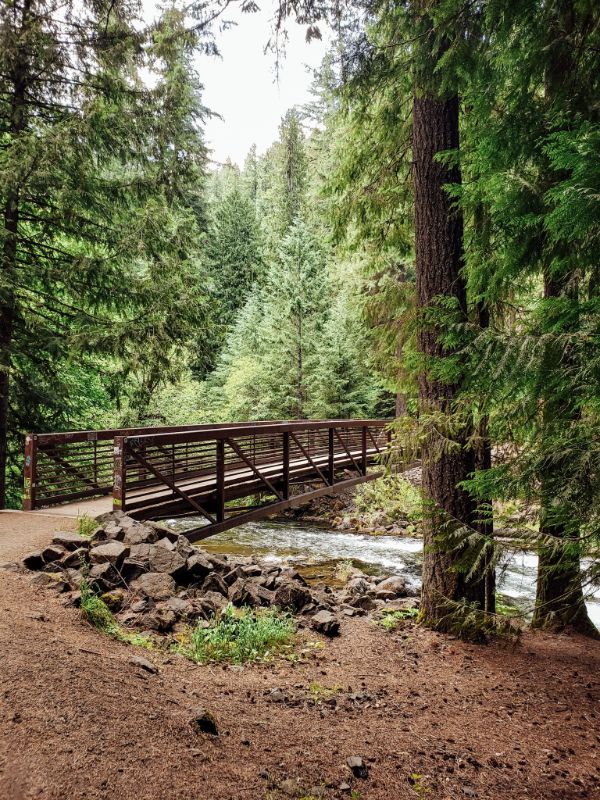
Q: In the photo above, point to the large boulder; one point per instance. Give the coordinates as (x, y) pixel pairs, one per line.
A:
(104, 576)
(132, 568)
(33, 560)
(155, 585)
(137, 534)
(52, 553)
(111, 552)
(244, 593)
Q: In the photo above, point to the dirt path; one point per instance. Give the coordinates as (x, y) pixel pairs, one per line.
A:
(79, 721)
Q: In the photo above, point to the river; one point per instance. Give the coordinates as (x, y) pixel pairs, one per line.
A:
(320, 549)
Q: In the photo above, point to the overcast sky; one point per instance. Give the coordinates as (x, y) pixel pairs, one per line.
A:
(241, 85)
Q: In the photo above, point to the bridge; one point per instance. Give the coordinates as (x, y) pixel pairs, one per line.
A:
(204, 471)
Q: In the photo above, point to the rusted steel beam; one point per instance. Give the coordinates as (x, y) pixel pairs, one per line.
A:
(364, 449)
(220, 480)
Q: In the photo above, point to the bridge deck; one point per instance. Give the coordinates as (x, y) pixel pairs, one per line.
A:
(204, 471)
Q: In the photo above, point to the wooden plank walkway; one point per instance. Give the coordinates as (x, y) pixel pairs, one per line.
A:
(205, 471)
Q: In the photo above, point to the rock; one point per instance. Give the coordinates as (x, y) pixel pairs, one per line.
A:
(250, 570)
(160, 619)
(75, 577)
(165, 542)
(105, 576)
(112, 552)
(74, 558)
(143, 663)
(140, 534)
(344, 787)
(291, 595)
(219, 563)
(198, 565)
(184, 547)
(52, 553)
(363, 601)
(214, 583)
(358, 767)
(358, 586)
(132, 568)
(179, 606)
(291, 574)
(141, 552)
(232, 576)
(114, 531)
(114, 599)
(244, 593)
(51, 580)
(212, 602)
(204, 721)
(163, 531)
(395, 584)
(33, 560)
(155, 585)
(326, 622)
(384, 594)
(163, 560)
(70, 540)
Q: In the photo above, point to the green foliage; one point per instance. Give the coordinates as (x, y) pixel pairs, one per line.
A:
(239, 636)
(391, 496)
(390, 620)
(98, 614)
(86, 525)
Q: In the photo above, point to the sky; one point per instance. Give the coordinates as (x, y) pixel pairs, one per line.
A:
(242, 86)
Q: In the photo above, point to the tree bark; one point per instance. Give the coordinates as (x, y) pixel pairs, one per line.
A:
(439, 260)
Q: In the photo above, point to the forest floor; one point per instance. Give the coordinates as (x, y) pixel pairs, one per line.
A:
(431, 716)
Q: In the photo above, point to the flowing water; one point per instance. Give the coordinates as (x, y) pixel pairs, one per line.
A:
(317, 550)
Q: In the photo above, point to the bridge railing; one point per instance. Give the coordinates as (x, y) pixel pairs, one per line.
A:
(206, 472)
(63, 467)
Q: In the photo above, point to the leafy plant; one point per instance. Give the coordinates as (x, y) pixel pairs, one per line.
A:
(239, 636)
(390, 620)
(319, 692)
(98, 614)
(343, 571)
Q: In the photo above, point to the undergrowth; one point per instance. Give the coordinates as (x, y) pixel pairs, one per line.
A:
(86, 525)
(239, 636)
(392, 497)
(391, 619)
(98, 614)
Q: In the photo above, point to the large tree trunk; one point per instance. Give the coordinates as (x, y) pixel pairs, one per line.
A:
(439, 251)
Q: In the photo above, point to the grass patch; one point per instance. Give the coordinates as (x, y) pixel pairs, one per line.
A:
(98, 614)
(86, 525)
(390, 620)
(239, 636)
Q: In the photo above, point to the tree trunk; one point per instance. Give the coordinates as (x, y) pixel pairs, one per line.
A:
(439, 257)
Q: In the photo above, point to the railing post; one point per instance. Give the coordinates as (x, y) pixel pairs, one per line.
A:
(331, 466)
(120, 473)
(30, 472)
(286, 465)
(364, 449)
(220, 480)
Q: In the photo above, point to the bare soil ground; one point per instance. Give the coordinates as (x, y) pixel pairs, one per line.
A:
(432, 717)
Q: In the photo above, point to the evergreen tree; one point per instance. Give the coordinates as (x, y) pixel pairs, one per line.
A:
(95, 174)
(294, 314)
(233, 251)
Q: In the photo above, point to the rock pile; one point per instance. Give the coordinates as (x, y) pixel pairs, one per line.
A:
(153, 579)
